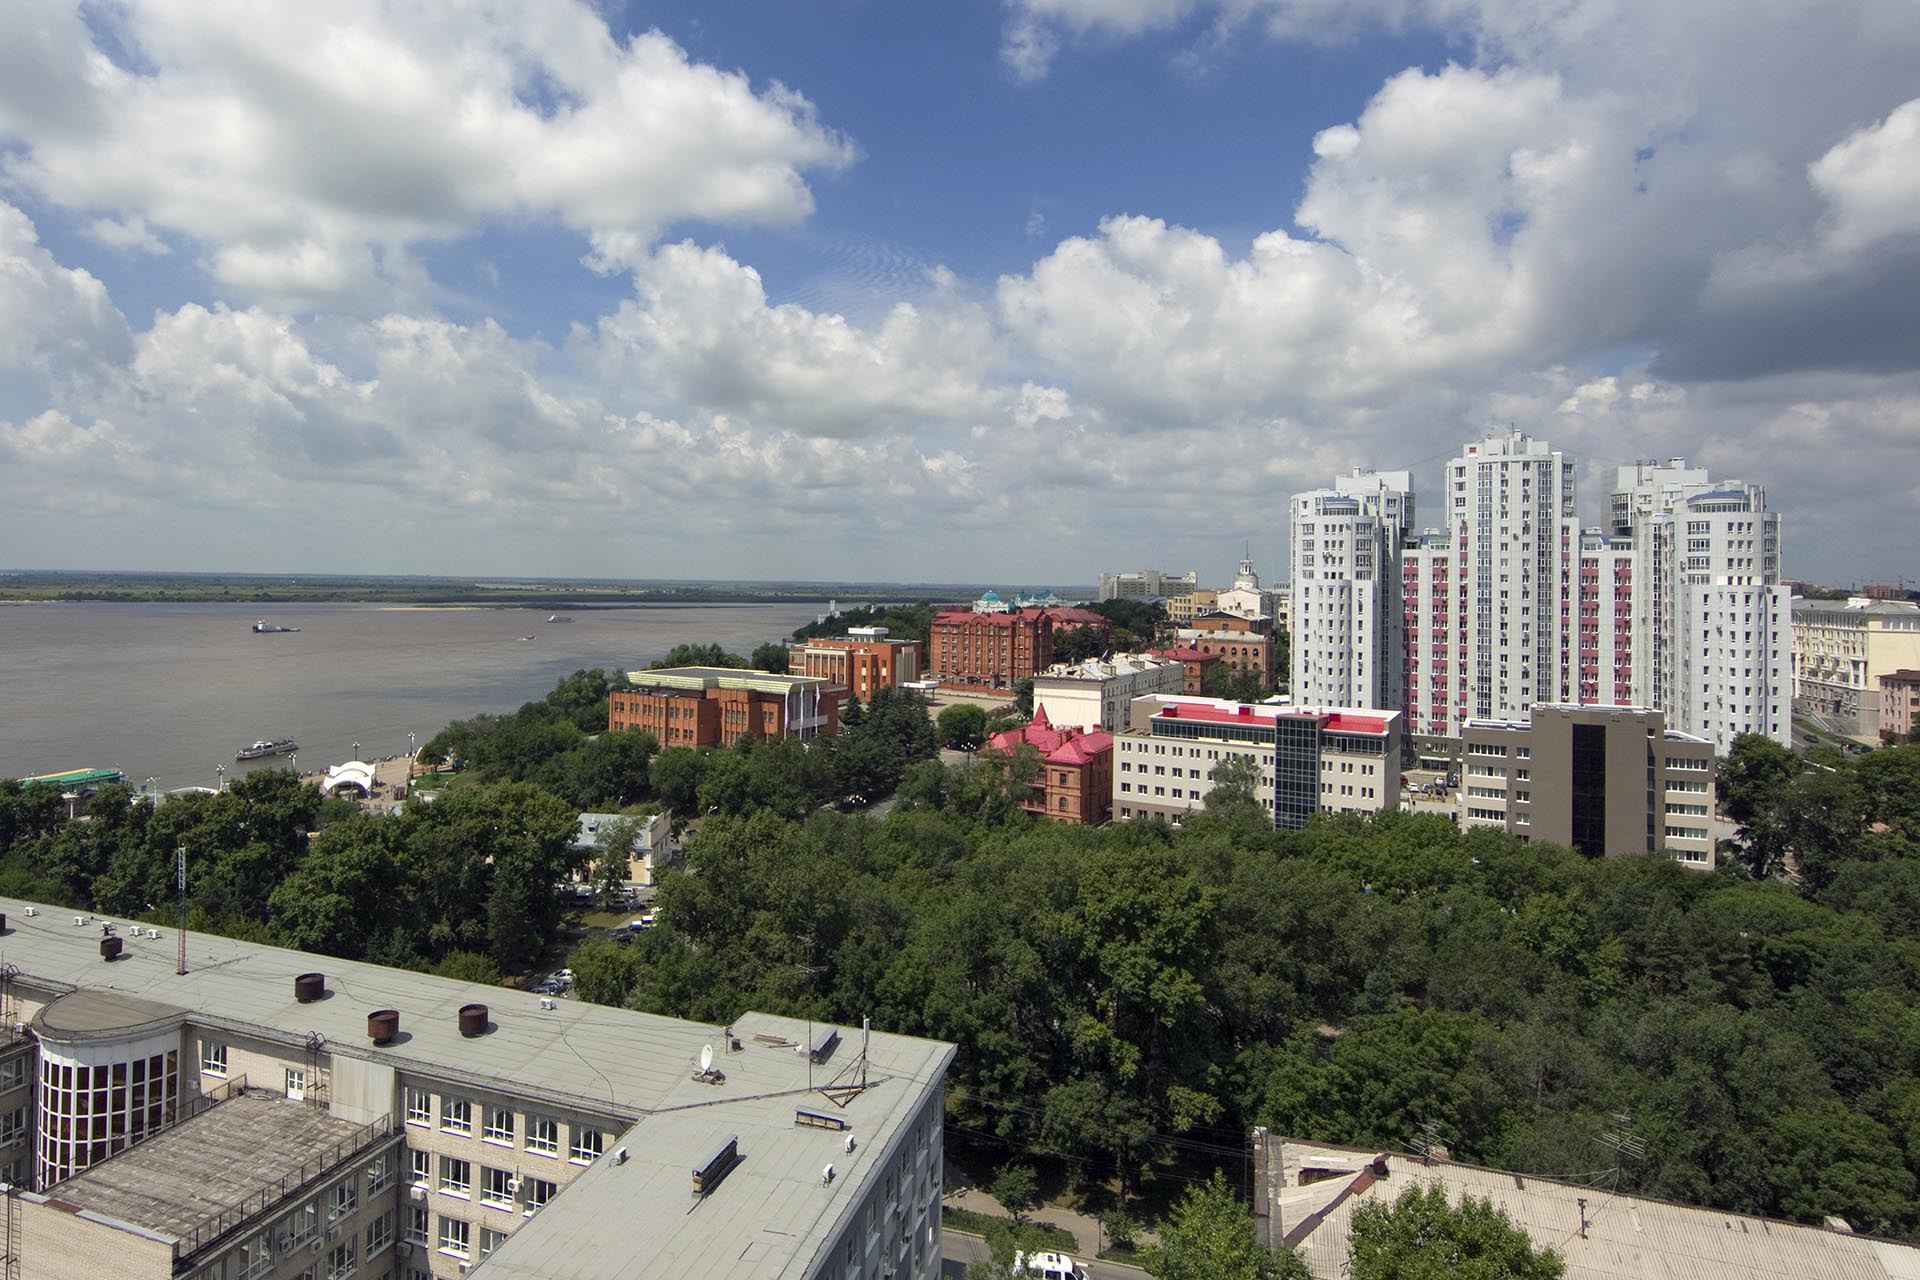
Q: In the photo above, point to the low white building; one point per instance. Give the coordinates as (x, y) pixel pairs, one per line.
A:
(1096, 694)
(650, 840)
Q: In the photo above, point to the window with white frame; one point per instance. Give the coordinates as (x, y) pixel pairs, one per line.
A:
(420, 1167)
(456, 1176)
(379, 1234)
(586, 1145)
(379, 1175)
(419, 1106)
(454, 1237)
(499, 1125)
(456, 1115)
(213, 1058)
(254, 1258)
(300, 1226)
(416, 1225)
(344, 1200)
(343, 1260)
(13, 1074)
(543, 1136)
(491, 1240)
(539, 1191)
(296, 1083)
(496, 1187)
(13, 1126)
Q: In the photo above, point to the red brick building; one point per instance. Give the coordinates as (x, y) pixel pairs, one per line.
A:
(718, 706)
(1197, 663)
(861, 662)
(1244, 644)
(1076, 780)
(996, 650)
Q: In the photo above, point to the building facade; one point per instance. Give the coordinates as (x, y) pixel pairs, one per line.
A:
(1899, 707)
(1146, 584)
(1075, 782)
(1711, 630)
(1349, 644)
(258, 1117)
(1183, 608)
(1097, 693)
(861, 662)
(718, 706)
(1841, 649)
(1607, 566)
(1307, 759)
(997, 650)
(1605, 781)
(1241, 643)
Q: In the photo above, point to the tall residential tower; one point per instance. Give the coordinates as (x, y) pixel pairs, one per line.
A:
(1349, 642)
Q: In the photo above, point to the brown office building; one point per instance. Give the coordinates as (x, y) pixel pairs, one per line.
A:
(1076, 782)
(997, 650)
(1244, 644)
(718, 706)
(861, 662)
(1603, 780)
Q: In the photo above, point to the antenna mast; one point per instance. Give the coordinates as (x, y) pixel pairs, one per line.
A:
(180, 871)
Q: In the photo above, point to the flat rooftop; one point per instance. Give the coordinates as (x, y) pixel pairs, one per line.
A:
(694, 678)
(206, 1167)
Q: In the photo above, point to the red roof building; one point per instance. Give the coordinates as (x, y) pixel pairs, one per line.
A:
(1076, 779)
(1196, 661)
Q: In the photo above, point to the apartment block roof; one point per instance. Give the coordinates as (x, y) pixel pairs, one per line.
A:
(701, 678)
(1308, 1192)
(189, 1179)
(634, 1069)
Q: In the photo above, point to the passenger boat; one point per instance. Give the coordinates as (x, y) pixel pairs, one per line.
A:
(262, 749)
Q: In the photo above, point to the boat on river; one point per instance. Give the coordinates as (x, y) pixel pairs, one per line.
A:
(558, 617)
(264, 748)
(265, 628)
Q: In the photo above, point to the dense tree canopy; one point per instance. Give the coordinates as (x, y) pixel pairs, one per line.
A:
(1420, 1236)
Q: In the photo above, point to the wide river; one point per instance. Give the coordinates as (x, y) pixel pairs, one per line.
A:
(169, 691)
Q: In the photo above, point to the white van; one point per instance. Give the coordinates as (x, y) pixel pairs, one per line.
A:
(1047, 1266)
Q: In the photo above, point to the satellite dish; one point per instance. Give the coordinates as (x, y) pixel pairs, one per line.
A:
(706, 1057)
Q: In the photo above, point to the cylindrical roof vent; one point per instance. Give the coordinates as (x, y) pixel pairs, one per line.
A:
(473, 1020)
(110, 948)
(383, 1025)
(3, 922)
(309, 987)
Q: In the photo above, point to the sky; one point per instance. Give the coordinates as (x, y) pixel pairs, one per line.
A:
(971, 291)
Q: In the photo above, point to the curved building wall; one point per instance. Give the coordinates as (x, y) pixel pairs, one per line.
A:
(99, 1097)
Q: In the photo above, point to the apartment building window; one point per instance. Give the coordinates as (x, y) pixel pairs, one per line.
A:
(300, 1226)
(456, 1115)
(421, 1167)
(296, 1083)
(379, 1234)
(491, 1240)
(343, 1260)
(345, 1199)
(587, 1142)
(213, 1060)
(454, 1237)
(496, 1187)
(416, 1226)
(543, 1136)
(456, 1177)
(255, 1257)
(13, 1126)
(499, 1126)
(539, 1191)
(419, 1106)
(379, 1175)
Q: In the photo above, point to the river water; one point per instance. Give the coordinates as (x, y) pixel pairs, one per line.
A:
(170, 691)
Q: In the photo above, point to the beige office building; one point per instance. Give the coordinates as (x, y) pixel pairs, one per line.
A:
(272, 1115)
(1841, 648)
(1602, 780)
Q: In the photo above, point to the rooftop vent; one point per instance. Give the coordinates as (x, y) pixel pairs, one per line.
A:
(309, 987)
(812, 1119)
(110, 948)
(473, 1020)
(707, 1174)
(383, 1025)
(824, 1042)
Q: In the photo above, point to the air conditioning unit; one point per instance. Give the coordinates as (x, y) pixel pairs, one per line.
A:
(417, 1192)
(313, 1245)
(463, 1268)
(33, 911)
(513, 1186)
(404, 1248)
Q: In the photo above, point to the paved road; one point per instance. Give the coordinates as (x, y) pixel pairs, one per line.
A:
(958, 1248)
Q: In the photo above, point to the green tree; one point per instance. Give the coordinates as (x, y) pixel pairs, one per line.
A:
(469, 966)
(676, 773)
(1224, 680)
(1078, 644)
(1236, 781)
(769, 657)
(963, 726)
(1023, 696)
(1017, 1188)
(1753, 776)
(696, 655)
(603, 971)
(1423, 1237)
(1209, 1236)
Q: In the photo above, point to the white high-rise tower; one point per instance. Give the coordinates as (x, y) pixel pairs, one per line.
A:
(1712, 622)
(1494, 630)
(1349, 641)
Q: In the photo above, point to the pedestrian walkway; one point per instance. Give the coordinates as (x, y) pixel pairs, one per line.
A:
(1084, 1227)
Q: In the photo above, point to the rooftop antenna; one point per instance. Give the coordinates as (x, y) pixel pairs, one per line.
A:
(180, 871)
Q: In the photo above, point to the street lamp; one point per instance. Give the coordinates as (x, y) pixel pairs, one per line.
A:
(356, 751)
(153, 790)
(295, 762)
(219, 777)
(409, 744)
